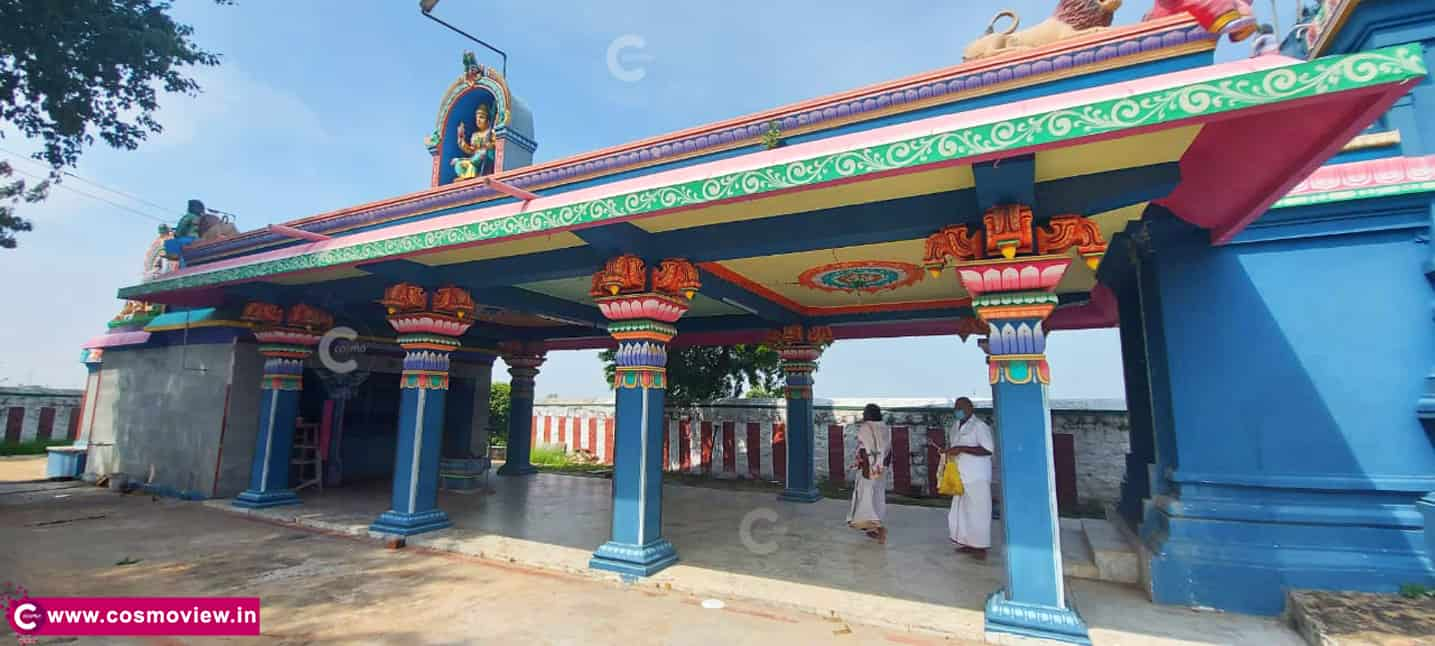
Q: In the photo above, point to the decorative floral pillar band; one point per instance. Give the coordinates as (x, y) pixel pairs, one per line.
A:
(285, 339)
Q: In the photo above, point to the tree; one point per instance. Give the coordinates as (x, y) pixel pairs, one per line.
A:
(703, 373)
(498, 414)
(72, 70)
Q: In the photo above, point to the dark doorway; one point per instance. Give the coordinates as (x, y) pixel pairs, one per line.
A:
(13, 420)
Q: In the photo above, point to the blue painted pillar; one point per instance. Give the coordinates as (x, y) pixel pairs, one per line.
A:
(643, 315)
(284, 349)
(1011, 269)
(523, 360)
(1034, 602)
(637, 547)
(427, 337)
(800, 349)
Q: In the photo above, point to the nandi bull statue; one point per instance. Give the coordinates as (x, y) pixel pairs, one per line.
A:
(1072, 18)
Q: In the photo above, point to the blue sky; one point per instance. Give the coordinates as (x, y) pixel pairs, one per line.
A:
(324, 104)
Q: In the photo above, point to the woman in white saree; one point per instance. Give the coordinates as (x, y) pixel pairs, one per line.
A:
(869, 496)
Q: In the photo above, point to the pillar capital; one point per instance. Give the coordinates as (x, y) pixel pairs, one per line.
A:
(523, 359)
(428, 330)
(1011, 267)
(799, 347)
(286, 339)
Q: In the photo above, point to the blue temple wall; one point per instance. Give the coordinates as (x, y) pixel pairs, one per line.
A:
(1293, 357)
(1280, 379)
(1379, 23)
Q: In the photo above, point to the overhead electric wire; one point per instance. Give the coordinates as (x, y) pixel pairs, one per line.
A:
(94, 197)
(91, 182)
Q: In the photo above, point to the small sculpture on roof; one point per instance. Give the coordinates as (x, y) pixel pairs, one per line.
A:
(477, 147)
(198, 224)
(1232, 17)
(1072, 18)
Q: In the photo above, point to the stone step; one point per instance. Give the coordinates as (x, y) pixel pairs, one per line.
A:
(1076, 558)
(1116, 559)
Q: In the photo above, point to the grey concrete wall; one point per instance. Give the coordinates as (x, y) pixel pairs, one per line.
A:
(241, 427)
(159, 413)
(32, 400)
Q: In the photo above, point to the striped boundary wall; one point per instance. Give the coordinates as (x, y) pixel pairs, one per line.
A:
(747, 439)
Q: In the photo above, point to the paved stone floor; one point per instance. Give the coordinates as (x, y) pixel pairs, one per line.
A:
(790, 555)
(67, 540)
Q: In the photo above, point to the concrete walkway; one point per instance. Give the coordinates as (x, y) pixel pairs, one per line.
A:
(749, 545)
(318, 590)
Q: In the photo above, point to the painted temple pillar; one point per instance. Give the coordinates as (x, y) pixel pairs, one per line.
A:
(465, 445)
(523, 359)
(1011, 270)
(642, 321)
(427, 334)
(799, 348)
(285, 339)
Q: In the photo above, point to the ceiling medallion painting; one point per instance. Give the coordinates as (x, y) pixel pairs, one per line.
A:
(867, 276)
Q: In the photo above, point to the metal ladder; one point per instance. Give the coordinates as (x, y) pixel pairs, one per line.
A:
(306, 455)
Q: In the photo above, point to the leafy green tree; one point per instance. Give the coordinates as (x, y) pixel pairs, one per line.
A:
(703, 373)
(74, 69)
(498, 414)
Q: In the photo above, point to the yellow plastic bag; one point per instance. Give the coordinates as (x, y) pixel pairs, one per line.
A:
(949, 481)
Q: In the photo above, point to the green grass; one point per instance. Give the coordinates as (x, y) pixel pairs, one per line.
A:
(548, 456)
(553, 459)
(31, 448)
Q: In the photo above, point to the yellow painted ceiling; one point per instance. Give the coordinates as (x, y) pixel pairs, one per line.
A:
(321, 276)
(1113, 154)
(502, 249)
(576, 290)
(886, 188)
(780, 274)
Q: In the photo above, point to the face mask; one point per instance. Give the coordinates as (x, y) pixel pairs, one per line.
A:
(962, 416)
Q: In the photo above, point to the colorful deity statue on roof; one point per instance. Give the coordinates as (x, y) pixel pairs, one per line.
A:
(482, 129)
(198, 224)
(477, 147)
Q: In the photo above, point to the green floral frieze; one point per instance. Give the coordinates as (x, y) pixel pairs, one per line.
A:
(1297, 81)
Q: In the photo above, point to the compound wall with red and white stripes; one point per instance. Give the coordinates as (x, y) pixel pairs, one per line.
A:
(747, 439)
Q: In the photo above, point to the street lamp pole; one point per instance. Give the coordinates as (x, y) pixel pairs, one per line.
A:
(426, 6)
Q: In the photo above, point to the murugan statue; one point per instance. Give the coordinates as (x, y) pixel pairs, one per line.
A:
(478, 147)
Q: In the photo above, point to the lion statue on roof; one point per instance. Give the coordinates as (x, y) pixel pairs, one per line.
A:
(1071, 18)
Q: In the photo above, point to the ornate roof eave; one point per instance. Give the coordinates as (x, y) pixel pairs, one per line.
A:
(1134, 44)
(1188, 97)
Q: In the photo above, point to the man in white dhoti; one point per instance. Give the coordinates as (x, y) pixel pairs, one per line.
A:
(869, 495)
(969, 441)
